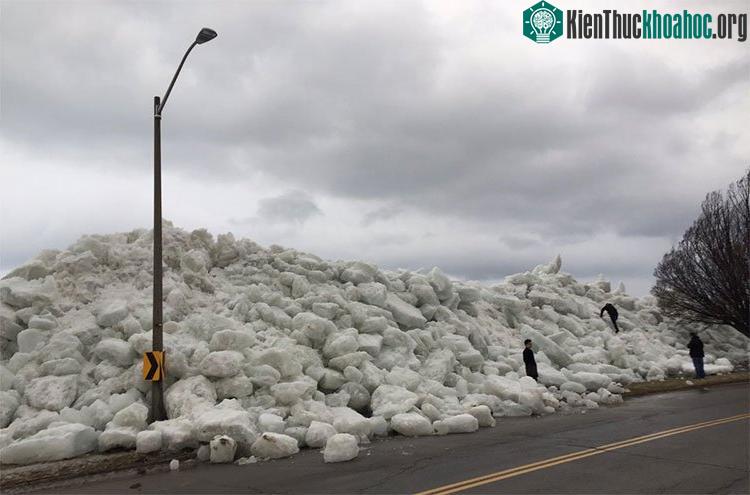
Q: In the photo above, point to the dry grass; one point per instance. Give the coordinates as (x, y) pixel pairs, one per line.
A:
(16, 477)
(635, 389)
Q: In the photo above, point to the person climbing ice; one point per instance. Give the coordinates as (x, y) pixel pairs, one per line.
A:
(529, 361)
(696, 352)
(612, 312)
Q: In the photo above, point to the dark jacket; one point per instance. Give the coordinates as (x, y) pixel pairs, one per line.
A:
(696, 347)
(611, 310)
(530, 362)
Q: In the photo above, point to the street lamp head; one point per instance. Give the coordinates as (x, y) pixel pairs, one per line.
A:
(206, 34)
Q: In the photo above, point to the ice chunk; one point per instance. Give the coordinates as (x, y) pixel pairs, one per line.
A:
(339, 399)
(147, 441)
(655, 374)
(592, 381)
(405, 314)
(271, 422)
(348, 360)
(412, 424)
(133, 416)
(52, 392)
(341, 447)
(483, 415)
(373, 293)
(298, 433)
(550, 376)
(327, 311)
(9, 402)
(389, 400)
(576, 387)
(222, 364)
(60, 367)
(359, 273)
(353, 374)
(176, 434)
(440, 283)
(403, 377)
(231, 340)
(115, 351)
(379, 426)
(233, 423)
(462, 423)
(347, 420)
(6, 378)
(370, 343)
(438, 365)
(553, 351)
(20, 293)
(274, 446)
(263, 375)
(238, 386)
(359, 397)
(99, 412)
(117, 437)
(431, 412)
(111, 312)
(117, 402)
(341, 343)
(318, 434)
(46, 322)
(59, 442)
(189, 395)
(223, 449)
(374, 325)
(282, 360)
(30, 339)
(203, 453)
(9, 328)
(313, 327)
(331, 379)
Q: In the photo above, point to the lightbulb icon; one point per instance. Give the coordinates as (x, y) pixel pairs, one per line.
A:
(542, 22)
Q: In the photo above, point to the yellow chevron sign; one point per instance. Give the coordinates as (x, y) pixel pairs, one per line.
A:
(153, 366)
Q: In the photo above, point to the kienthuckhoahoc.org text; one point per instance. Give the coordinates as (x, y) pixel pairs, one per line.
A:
(611, 24)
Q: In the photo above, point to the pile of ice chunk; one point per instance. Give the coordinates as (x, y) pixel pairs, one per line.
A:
(273, 350)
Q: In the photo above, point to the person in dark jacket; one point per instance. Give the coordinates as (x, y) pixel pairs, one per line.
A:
(612, 312)
(696, 352)
(529, 361)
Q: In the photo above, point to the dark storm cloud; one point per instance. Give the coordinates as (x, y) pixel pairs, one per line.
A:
(389, 103)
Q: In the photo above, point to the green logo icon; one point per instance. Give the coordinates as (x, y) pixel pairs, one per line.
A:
(542, 22)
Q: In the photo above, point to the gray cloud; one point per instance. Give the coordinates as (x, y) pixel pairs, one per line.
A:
(381, 214)
(412, 117)
(294, 206)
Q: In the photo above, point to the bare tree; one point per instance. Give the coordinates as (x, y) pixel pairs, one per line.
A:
(706, 277)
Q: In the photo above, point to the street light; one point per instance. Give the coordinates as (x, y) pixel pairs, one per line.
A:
(158, 412)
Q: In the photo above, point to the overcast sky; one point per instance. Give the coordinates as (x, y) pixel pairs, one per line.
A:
(409, 134)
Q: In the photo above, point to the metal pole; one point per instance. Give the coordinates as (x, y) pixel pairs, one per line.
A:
(158, 411)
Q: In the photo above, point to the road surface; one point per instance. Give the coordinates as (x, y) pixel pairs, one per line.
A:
(694, 441)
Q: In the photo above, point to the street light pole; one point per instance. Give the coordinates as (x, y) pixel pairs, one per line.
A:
(158, 411)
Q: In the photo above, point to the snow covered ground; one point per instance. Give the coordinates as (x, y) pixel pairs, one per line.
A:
(272, 350)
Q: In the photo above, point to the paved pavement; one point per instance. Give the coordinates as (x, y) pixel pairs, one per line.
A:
(708, 459)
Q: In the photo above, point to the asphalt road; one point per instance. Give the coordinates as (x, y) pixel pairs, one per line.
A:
(709, 458)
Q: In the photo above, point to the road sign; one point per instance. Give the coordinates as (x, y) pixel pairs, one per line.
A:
(153, 366)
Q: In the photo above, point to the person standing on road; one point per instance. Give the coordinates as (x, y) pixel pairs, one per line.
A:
(529, 361)
(696, 352)
(612, 312)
